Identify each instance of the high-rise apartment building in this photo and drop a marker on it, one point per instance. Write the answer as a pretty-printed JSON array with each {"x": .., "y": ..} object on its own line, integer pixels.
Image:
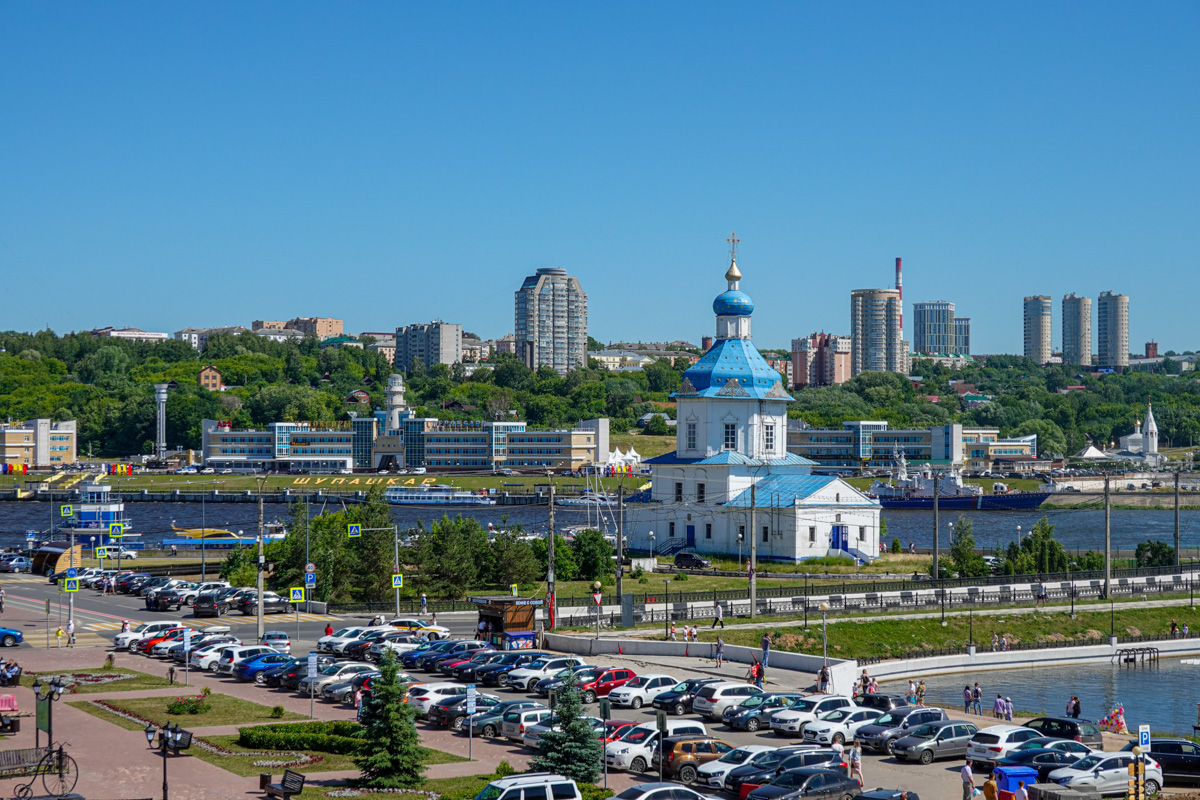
[
  {"x": 1112, "y": 330},
  {"x": 551, "y": 321},
  {"x": 320, "y": 327},
  {"x": 1037, "y": 328},
  {"x": 962, "y": 336},
  {"x": 876, "y": 332},
  {"x": 820, "y": 359},
  {"x": 434, "y": 343},
  {"x": 1077, "y": 330},
  {"x": 934, "y": 328}
]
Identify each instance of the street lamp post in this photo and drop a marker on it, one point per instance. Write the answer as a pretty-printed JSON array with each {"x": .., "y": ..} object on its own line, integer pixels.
[
  {"x": 48, "y": 693},
  {"x": 93, "y": 543},
  {"x": 1018, "y": 536},
  {"x": 651, "y": 545},
  {"x": 170, "y": 740},
  {"x": 596, "y": 589},
  {"x": 666, "y": 610}
]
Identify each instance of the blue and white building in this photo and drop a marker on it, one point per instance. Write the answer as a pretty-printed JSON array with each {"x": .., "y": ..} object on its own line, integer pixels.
[{"x": 731, "y": 452}]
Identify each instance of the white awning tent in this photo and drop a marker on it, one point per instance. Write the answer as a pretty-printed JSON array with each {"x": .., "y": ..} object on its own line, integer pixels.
[
  {"x": 1092, "y": 453},
  {"x": 618, "y": 459}
]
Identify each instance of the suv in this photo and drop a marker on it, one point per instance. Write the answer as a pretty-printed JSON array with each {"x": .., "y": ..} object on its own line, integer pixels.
[
  {"x": 1108, "y": 773},
  {"x": 791, "y": 722},
  {"x": 207, "y": 605},
  {"x": 691, "y": 561},
  {"x": 712, "y": 700},
  {"x": 514, "y": 723},
  {"x": 124, "y": 641},
  {"x": 935, "y": 740},
  {"x": 684, "y": 755},
  {"x": 1080, "y": 730},
  {"x": 491, "y": 673},
  {"x": 880, "y": 702},
  {"x": 879, "y": 735},
  {"x": 757, "y": 710},
  {"x": 537, "y": 784},
  {"x": 271, "y": 604},
  {"x": 679, "y": 698},
  {"x": 604, "y": 683},
  {"x": 642, "y": 689},
  {"x": 1178, "y": 758},
  {"x": 635, "y": 749},
  {"x": 527, "y": 677},
  {"x": 996, "y": 742}
]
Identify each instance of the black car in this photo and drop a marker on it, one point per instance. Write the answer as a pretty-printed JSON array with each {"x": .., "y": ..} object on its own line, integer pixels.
[
  {"x": 357, "y": 650},
  {"x": 808, "y": 783},
  {"x": 409, "y": 660},
  {"x": 691, "y": 561},
  {"x": 451, "y": 712},
  {"x": 271, "y": 677},
  {"x": 291, "y": 677},
  {"x": 887, "y": 794},
  {"x": 679, "y": 699},
  {"x": 1044, "y": 761},
  {"x": 207, "y": 605},
  {"x": 1179, "y": 759},
  {"x": 450, "y": 666},
  {"x": 151, "y": 583},
  {"x": 584, "y": 673},
  {"x": 1081, "y": 730},
  {"x": 881, "y": 702},
  {"x": 169, "y": 600},
  {"x": 127, "y": 584},
  {"x": 272, "y": 604},
  {"x": 489, "y": 674},
  {"x": 760, "y": 769},
  {"x": 467, "y": 672}
]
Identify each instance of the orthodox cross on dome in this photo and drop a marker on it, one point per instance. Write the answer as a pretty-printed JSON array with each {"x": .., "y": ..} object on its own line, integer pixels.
[
  {"x": 734, "y": 241},
  {"x": 733, "y": 274}
]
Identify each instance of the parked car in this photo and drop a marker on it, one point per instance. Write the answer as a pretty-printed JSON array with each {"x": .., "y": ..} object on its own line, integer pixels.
[
  {"x": 1061, "y": 745},
  {"x": 534, "y": 733},
  {"x": 398, "y": 642},
  {"x": 877, "y": 736},
  {"x": 660, "y": 791},
  {"x": 792, "y": 721},
  {"x": 1108, "y": 773},
  {"x": 712, "y": 700},
  {"x": 713, "y": 773},
  {"x": 124, "y": 641},
  {"x": 641, "y": 690},
  {"x": 190, "y": 595},
  {"x": 602, "y": 684},
  {"x": 277, "y": 640},
  {"x": 130, "y": 581},
  {"x": 17, "y": 564},
  {"x": 208, "y": 605},
  {"x": 1039, "y": 758},
  {"x": 533, "y": 784},
  {"x": 451, "y": 712},
  {"x": 841, "y": 725},
  {"x": 409, "y": 660},
  {"x": 527, "y": 676},
  {"x": 635, "y": 750},
  {"x": 515, "y": 722},
  {"x": 935, "y": 740},
  {"x": 343, "y": 691},
  {"x": 807, "y": 783},
  {"x": 429, "y": 661},
  {"x": 448, "y": 666},
  {"x": 691, "y": 561},
  {"x": 1179, "y": 759},
  {"x": 167, "y": 600},
  {"x": 682, "y": 756},
  {"x": 468, "y": 670},
  {"x": 995, "y": 742},
  {"x": 290, "y": 677},
  {"x": 338, "y": 671},
  {"x": 491, "y": 674},
  {"x": 248, "y": 669},
  {"x": 1081, "y": 730},
  {"x": 488, "y": 722},
  {"x": 760, "y": 769},
  {"x": 424, "y": 695},
  {"x": 679, "y": 698},
  {"x": 326, "y": 643},
  {"x": 231, "y": 655},
  {"x": 271, "y": 604},
  {"x": 880, "y": 702}
]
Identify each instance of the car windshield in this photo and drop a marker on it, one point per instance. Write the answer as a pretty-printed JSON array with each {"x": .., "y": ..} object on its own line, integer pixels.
[
  {"x": 737, "y": 756},
  {"x": 1087, "y": 763},
  {"x": 923, "y": 732},
  {"x": 342, "y": 632},
  {"x": 890, "y": 719},
  {"x": 805, "y": 705},
  {"x": 488, "y": 792},
  {"x": 636, "y": 682},
  {"x": 637, "y": 735},
  {"x": 141, "y": 627}
]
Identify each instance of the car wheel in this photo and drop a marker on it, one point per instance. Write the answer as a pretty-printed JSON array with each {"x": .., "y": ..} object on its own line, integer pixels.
[
  {"x": 489, "y": 731},
  {"x": 589, "y": 697},
  {"x": 926, "y": 757},
  {"x": 457, "y": 723},
  {"x": 751, "y": 725},
  {"x": 1151, "y": 786},
  {"x": 635, "y": 703},
  {"x": 9, "y": 640},
  {"x": 532, "y": 685},
  {"x": 679, "y": 709},
  {"x": 837, "y": 737},
  {"x": 638, "y": 765},
  {"x": 260, "y": 679},
  {"x": 687, "y": 774}
]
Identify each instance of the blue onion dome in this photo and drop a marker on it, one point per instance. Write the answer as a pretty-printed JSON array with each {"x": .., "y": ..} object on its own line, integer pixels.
[{"x": 733, "y": 303}]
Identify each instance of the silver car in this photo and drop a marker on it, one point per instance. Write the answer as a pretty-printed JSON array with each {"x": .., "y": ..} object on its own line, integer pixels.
[
  {"x": 947, "y": 739},
  {"x": 1108, "y": 772}
]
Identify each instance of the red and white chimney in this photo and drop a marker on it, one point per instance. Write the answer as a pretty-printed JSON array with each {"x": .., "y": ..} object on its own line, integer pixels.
[{"x": 900, "y": 289}]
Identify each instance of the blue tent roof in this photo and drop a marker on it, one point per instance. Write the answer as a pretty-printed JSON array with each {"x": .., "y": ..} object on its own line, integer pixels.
[
  {"x": 782, "y": 491},
  {"x": 732, "y": 368}
]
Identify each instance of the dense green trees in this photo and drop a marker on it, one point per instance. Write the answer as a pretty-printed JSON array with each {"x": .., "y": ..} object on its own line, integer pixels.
[
  {"x": 390, "y": 755},
  {"x": 570, "y": 748},
  {"x": 967, "y": 563}
]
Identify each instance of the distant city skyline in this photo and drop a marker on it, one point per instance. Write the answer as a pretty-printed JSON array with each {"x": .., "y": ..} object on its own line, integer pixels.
[{"x": 199, "y": 166}]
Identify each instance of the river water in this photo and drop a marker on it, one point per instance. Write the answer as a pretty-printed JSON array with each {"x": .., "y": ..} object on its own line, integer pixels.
[{"x": 1163, "y": 696}]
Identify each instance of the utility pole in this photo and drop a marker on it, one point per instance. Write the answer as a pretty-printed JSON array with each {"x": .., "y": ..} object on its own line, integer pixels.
[
  {"x": 261, "y": 563},
  {"x": 307, "y": 560},
  {"x": 1107, "y": 540},
  {"x": 753, "y": 554},
  {"x": 1177, "y": 517},
  {"x": 203, "y": 536},
  {"x": 551, "y": 605},
  {"x": 937, "y": 573},
  {"x": 396, "y": 563},
  {"x": 621, "y": 541}
]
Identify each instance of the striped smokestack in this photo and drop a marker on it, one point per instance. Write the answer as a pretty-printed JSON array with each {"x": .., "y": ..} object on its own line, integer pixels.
[{"x": 900, "y": 289}]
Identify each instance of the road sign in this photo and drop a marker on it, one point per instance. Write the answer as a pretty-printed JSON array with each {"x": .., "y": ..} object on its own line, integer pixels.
[
  {"x": 72, "y": 572},
  {"x": 605, "y": 709},
  {"x": 310, "y": 579},
  {"x": 354, "y": 531},
  {"x": 66, "y": 511},
  {"x": 1144, "y": 736},
  {"x": 598, "y": 596},
  {"x": 661, "y": 719},
  {"x": 312, "y": 665},
  {"x": 513, "y": 589},
  {"x": 30, "y": 534},
  {"x": 297, "y": 594},
  {"x": 470, "y": 698},
  {"x": 310, "y": 567},
  {"x": 397, "y": 581},
  {"x": 101, "y": 552},
  {"x": 116, "y": 530},
  {"x": 71, "y": 585},
  {"x": 187, "y": 639}
]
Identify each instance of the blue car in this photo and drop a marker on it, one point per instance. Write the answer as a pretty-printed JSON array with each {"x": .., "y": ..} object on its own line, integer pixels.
[
  {"x": 248, "y": 669},
  {"x": 10, "y": 637}
]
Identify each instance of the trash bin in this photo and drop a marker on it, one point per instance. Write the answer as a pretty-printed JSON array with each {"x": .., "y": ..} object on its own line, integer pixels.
[
  {"x": 1008, "y": 777},
  {"x": 264, "y": 780}
]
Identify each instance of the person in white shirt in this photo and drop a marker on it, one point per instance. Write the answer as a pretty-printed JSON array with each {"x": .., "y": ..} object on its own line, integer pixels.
[
  {"x": 1021, "y": 793},
  {"x": 968, "y": 781}
]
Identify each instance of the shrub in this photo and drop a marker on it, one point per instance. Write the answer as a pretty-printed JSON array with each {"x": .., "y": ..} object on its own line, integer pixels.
[
  {"x": 325, "y": 737},
  {"x": 590, "y": 791},
  {"x": 504, "y": 769},
  {"x": 277, "y": 712},
  {"x": 643, "y": 579},
  {"x": 189, "y": 705},
  {"x": 206, "y": 691},
  {"x": 637, "y": 572},
  {"x": 108, "y": 662},
  {"x": 680, "y": 576},
  {"x": 896, "y": 545}
]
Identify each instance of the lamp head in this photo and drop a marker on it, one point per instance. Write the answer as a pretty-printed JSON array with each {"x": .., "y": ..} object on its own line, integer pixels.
[
  {"x": 824, "y": 606},
  {"x": 149, "y": 731},
  {"x": 37, "y": 687}
]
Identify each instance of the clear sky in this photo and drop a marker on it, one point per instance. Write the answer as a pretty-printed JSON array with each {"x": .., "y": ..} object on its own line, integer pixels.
[{"x": 167, "y": 165}]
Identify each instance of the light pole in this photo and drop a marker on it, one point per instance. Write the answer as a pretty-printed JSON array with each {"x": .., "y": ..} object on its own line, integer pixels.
[
  {"x": 93, "y": 541},
  {"x": 1018, "y": 536},
  {"x": 652, "y": 545},
  {"x": 824, "y": 636},
  {"x": 666, "y": 610},
  {"x": 596, "y": 589},
  {"x": 170, "y": 740},
  {"x": 48, "y": 693}
]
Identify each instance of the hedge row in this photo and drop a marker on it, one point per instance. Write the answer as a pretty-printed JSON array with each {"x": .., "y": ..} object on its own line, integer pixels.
[{"x": 324, "y": 737}]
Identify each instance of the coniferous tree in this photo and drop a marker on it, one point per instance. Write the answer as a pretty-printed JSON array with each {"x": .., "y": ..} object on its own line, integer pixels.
[
  {"x": 390, "y": 756},
  {"x": 573, "y": 749}
]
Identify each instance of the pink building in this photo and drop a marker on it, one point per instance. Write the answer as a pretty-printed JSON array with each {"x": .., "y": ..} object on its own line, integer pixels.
[{"x": 821, "y": 359}]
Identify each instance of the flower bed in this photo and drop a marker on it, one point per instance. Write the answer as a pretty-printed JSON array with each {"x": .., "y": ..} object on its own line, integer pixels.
[
  {"x": 75, "y": 681},
  {"x": 327, "y": 737}
]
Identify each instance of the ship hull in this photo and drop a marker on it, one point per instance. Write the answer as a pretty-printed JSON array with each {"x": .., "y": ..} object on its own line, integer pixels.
[{"x": 987, "y": 502}]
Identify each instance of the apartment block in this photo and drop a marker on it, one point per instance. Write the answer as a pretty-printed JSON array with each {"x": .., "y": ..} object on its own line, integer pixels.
[
  {"x": 1077, "y": 330},
  {"x": 436, "y": 342},
  {"x": 551, "y": 321},
  {"x": 820, "y": 359},
  {"x": 933, "y": 328},
  {"x": 962, "y": 336},
  {"x": 38, "y": 443},
  {"x": 1037, "y": 311},
  {"x": 320, "y": 327},
  {"x": 1112, "y": 330},
  {"x": 877, "y": 332}
]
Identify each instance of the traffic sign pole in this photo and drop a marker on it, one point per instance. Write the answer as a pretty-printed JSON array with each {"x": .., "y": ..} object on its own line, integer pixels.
[
  {"x": 470, "y": 713},
  {"x": 312, "y": 673}
]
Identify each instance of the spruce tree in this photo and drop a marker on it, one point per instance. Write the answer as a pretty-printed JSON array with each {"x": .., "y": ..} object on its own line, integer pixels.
[
  {"x": 390, "y": 756},
  {"x": 573, "y": 749}
]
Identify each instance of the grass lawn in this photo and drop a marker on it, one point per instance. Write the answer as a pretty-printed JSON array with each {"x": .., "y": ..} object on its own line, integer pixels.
[
  {"x": 646, "y": 446},
  {"x": 225, "y": 710},
  {"x": 140, "y": 680},
  {"x": 462, "y": 788},
  {"x": 330, "y": 762}
]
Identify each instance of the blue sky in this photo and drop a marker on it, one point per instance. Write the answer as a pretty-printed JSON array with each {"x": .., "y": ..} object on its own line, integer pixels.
[{"x": 172, "y": 165}]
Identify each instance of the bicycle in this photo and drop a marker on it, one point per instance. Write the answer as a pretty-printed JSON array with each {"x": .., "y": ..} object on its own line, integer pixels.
[{"x": 58, "y": 771}]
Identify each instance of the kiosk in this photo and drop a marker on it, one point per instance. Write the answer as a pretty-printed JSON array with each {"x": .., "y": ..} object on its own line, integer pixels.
[{"x": 510, "y": 620}]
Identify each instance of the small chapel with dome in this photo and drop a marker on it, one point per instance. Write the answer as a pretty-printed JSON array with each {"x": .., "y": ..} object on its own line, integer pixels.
[{"x": 731, "y": 451}]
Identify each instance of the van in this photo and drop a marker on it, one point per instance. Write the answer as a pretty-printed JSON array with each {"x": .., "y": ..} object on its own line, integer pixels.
[
  {"x": 516, "y": 722},
  {"x": 539, "y": 785},
  {"x": 635, "y": 750}
]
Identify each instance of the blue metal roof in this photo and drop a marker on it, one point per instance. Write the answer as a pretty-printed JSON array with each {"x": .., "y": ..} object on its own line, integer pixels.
[
  {"x": 782, "y": 491},
  {"x": 733, "y": 303},
  {"x": 728, "y": 457},
  {"x": 732, "y": 368}
]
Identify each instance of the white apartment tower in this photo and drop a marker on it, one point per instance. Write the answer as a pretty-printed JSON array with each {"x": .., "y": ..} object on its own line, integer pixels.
[
  {"x": 1037, "y": 328},
  {"x": 434, "y": 343},
  {"x": 877, "y": 332},
  {"x": 551, "y": 321},
  {"x": 1112, "y": 330},
  {"x": 1077, "y": 330}
]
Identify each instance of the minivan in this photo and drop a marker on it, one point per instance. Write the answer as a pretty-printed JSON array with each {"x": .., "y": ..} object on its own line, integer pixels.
[
  {"x": 712, "y": 700},
  {"x": 1081, "y": 730},
  {"x": 516, "y": 722},
  {"x": 635, "y": 749}
]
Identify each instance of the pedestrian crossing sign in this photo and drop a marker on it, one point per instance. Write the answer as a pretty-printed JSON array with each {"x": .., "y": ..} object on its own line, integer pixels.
[
  {"x": 297, "y": 594},
  {"x": 397, "y": 581},
  {"x": 513, "y": 588},
  {"x": 116, "y": 530},
  {"x": 66, "y": 511},
  {"x": 71, "y": 584},
  {"x": 101, "y": 552},
  {"x": 354, "y": 531}
]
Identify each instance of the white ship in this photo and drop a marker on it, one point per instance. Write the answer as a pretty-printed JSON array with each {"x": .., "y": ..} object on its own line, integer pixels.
[{"x": 435, "y": 495}]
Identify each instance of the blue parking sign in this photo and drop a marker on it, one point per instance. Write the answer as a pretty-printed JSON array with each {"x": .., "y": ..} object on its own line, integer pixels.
[{"x": 310, "y": 578}]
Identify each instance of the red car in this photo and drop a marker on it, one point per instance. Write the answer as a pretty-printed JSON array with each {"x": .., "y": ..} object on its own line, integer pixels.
[
  {"x": 616, "y": 728},
  {"x": 604, "y": 683},
  {"x": 144, "y": 645}
]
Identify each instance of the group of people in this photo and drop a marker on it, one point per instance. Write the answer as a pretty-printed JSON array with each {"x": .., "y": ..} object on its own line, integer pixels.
[
  {"x": 916, "y": 693},
  {"x": 868, "y": 685},
  {"x": 973, "y": 699},
  {"x": 1002, "y": 708},
  {"x": 1073, "y": 708},
  {"x": 990, "y": 789},
  {"x": 10, "y": 673},
  {"x": 68, "y": 634},
  {"x": 999, "y": 642},
  {"x": 1176, "y": 631},
  {"x": 689, "y": 634}
]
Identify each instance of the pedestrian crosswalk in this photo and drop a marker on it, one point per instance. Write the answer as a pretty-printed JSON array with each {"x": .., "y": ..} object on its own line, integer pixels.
[
  {"x": 115, "y": 625},
  {"x": 22, "y": 579},
  {"x": 38, "y": 641}
]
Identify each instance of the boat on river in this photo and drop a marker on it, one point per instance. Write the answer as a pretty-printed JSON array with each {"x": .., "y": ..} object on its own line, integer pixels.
[
  {"x": 435, "y": 494},
  {"x": 916, "y": 491}
]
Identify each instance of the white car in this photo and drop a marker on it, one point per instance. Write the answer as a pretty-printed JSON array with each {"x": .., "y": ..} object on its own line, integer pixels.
[
  {"x": 397, "y": 644},
  {"x": 793, "y": 721},
  {"x": 712, "y": 700},
  {"x": 416, "y": 626},
  {"x": 635, "y": 750},
  {"x": 713, "y": 773},
  {"x": 1108, "y": 772},
  {"x": 326, "y": 643},
  {"x": 642, "y": 690},
  {"x": 206, "y": 657},
  {"x": 527, "y": 677},
  {"x": 839, "y": 725},
  {"x": 423, "y": 696},
  {"x": 991, "y": 744},
  {"x": 123, "y": 641},
  {"x": 231, "y": 654},
  {"x": 189, "y": 596},
  {"x": 336, "y": 673}
]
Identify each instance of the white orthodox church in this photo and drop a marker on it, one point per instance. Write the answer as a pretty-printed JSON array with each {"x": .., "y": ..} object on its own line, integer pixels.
[
  {"x": 731, "y": 453},
  {"x": 1142, "y": 444}
]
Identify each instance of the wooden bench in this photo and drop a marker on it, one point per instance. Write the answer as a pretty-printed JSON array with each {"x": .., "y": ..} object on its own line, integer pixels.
[
  {"x": 291, "y": 784},
  {"x": 22, "y": 761}
]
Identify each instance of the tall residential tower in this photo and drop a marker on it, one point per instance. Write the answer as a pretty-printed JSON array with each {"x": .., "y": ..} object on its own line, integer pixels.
[
  {"x": 933, "y": 328},
  {"x": 1077, "y": 330},
  {"x": 876, "y": 332},
  {"x": 1037, "y": 328},
  {"x": 1112, "y": 330},
  {"x": 551, "y": 321}
]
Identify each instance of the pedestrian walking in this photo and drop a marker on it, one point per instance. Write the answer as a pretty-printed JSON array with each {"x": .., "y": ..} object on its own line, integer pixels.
[
  {"x": 328, "y": 629},
  {"x": 674, "y": 638},
  {"x": 977, "y": 699},
  {"x": 1041, "y": 595},
  {"x": 754, "y": 674},
  {"x": 1185, "y": 625},
  {"x": 718, "y": 615},
  {"x": 1004, "y": 642},
  {"x": 1, "y": 599},
  {"x": 911, "y": 697},
  {"x": 840, "y": 749},
  {"x": 995, "y": 641},
  {"x": 1070, "y": 707},
  {"x": 71, "y": 632},
  {"x": 174, "y": 551},
  {"x": 766, "y": 647},
  {"x": 1008, "y": 709},
  {"x": 990, "y": 790},
  {"x": 424, "y": 604},
  {"x": 855, "y": 761},
  {"x": 58, "y": 637},
  {"x": 968, "y": 781},
  {"x": 125, "y": 626},
  {"x": 865, "y": 680},
  {"x": 720, "y": 651},
  {"x": 912, "y": 547},
  {"x": 874, "y": 689},
  {"x": 998, "y": 707},
  {"x": 695, "y": 633},
  {"x": 481, "y": 632},
  {"x": 433, "y": 618},
  {"x": 921, "y": 693},
  {"x": 967, "y": 699},
  {"x": 823, "y": 680},
  {"x": 1021, "y": 793}
]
